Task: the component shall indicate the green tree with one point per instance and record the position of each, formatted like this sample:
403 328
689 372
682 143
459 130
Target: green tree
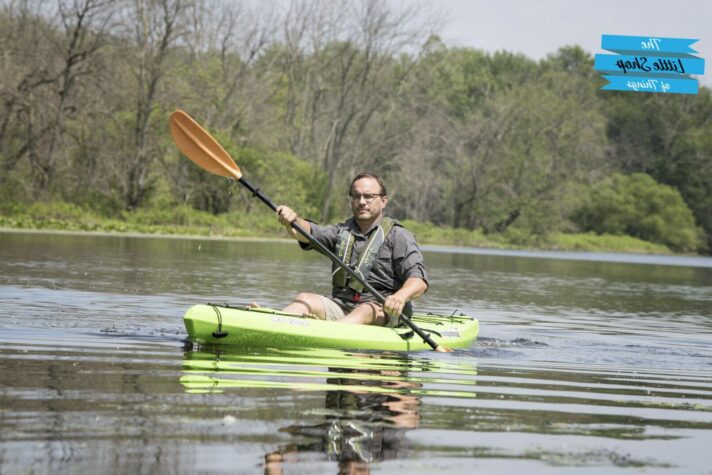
503 138
668 137
638 206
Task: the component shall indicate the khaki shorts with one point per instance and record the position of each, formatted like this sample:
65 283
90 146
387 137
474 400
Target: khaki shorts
333 311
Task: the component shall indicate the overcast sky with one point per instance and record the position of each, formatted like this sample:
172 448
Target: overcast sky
539 27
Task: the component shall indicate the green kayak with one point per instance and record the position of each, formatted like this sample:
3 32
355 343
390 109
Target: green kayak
264 327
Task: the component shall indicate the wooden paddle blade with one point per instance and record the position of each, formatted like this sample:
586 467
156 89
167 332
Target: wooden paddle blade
198 145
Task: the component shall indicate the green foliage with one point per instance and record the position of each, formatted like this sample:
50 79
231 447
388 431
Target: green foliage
41 215
638 206
591 242
285 178
517 238
428 233
180 215
494 149
573 60
183 220
458 79
669 137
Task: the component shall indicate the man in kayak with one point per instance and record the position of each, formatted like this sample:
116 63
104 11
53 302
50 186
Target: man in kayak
376 246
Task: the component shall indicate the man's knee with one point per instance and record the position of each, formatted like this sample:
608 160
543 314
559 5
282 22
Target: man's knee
306 297
368 313
310 302
374 309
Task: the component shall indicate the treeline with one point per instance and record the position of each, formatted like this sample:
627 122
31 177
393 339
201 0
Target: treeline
306 93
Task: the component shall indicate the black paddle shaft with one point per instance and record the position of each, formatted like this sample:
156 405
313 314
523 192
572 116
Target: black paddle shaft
381 299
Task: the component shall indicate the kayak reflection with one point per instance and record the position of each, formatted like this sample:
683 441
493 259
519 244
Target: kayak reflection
371 400
363 426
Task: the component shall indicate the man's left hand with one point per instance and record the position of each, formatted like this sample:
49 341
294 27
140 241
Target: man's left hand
393 305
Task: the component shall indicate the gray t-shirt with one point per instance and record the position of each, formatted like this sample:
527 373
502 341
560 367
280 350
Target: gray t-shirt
398 259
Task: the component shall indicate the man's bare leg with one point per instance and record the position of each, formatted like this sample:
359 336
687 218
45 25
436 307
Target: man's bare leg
368 313
306 304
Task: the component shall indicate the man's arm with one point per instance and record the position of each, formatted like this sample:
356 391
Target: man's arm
287 216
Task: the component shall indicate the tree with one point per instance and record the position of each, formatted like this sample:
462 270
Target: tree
636 205
667 137
25 86
45 91
157 24
86 24
337 82
505 138
215 81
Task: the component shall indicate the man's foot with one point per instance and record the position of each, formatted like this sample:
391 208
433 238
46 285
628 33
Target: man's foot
252 305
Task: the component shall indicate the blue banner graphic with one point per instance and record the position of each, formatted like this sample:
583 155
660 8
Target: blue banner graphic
649 64
648 84
647 44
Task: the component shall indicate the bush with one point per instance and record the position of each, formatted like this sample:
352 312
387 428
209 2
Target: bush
638 206
181 215
442 235
591 242
286 179
283 177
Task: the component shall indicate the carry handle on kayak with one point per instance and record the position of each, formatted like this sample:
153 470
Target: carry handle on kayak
200 147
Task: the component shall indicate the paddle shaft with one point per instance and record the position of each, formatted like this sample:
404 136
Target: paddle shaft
381 299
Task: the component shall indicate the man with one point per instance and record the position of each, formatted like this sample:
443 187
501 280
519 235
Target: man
377 246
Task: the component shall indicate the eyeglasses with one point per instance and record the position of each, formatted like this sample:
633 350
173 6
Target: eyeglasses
368 197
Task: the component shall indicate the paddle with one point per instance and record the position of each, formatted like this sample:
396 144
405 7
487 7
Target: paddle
199 146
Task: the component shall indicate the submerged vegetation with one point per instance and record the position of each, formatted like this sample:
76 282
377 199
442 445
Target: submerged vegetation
476 148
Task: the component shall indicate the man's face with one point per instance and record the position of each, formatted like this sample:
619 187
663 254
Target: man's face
366 200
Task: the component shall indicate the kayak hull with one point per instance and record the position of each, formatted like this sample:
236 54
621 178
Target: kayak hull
264 327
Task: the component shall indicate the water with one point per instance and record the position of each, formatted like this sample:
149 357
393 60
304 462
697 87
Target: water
584 363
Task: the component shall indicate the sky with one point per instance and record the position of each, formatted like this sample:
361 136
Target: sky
537 28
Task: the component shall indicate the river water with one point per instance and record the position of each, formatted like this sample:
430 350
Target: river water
584 363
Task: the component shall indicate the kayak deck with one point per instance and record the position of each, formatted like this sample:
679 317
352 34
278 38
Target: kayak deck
265 327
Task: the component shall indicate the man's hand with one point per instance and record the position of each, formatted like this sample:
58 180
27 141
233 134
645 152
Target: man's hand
286 216
393 305
413 288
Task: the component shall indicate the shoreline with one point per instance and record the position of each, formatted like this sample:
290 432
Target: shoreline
137 234
612 256
185 222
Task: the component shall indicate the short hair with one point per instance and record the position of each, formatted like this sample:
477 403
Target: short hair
369 175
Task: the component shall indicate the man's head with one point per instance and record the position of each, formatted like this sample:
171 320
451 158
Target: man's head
368 197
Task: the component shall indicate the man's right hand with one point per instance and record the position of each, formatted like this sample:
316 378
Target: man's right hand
286 216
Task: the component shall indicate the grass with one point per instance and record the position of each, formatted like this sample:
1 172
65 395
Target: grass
178 220
428 233
183 220
591 242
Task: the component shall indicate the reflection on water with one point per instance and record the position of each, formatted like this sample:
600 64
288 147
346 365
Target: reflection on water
370 399
585 365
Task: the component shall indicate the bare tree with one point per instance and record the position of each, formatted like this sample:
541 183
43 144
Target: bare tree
85 24
27 83
156 24
64 41
241 35
339 61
